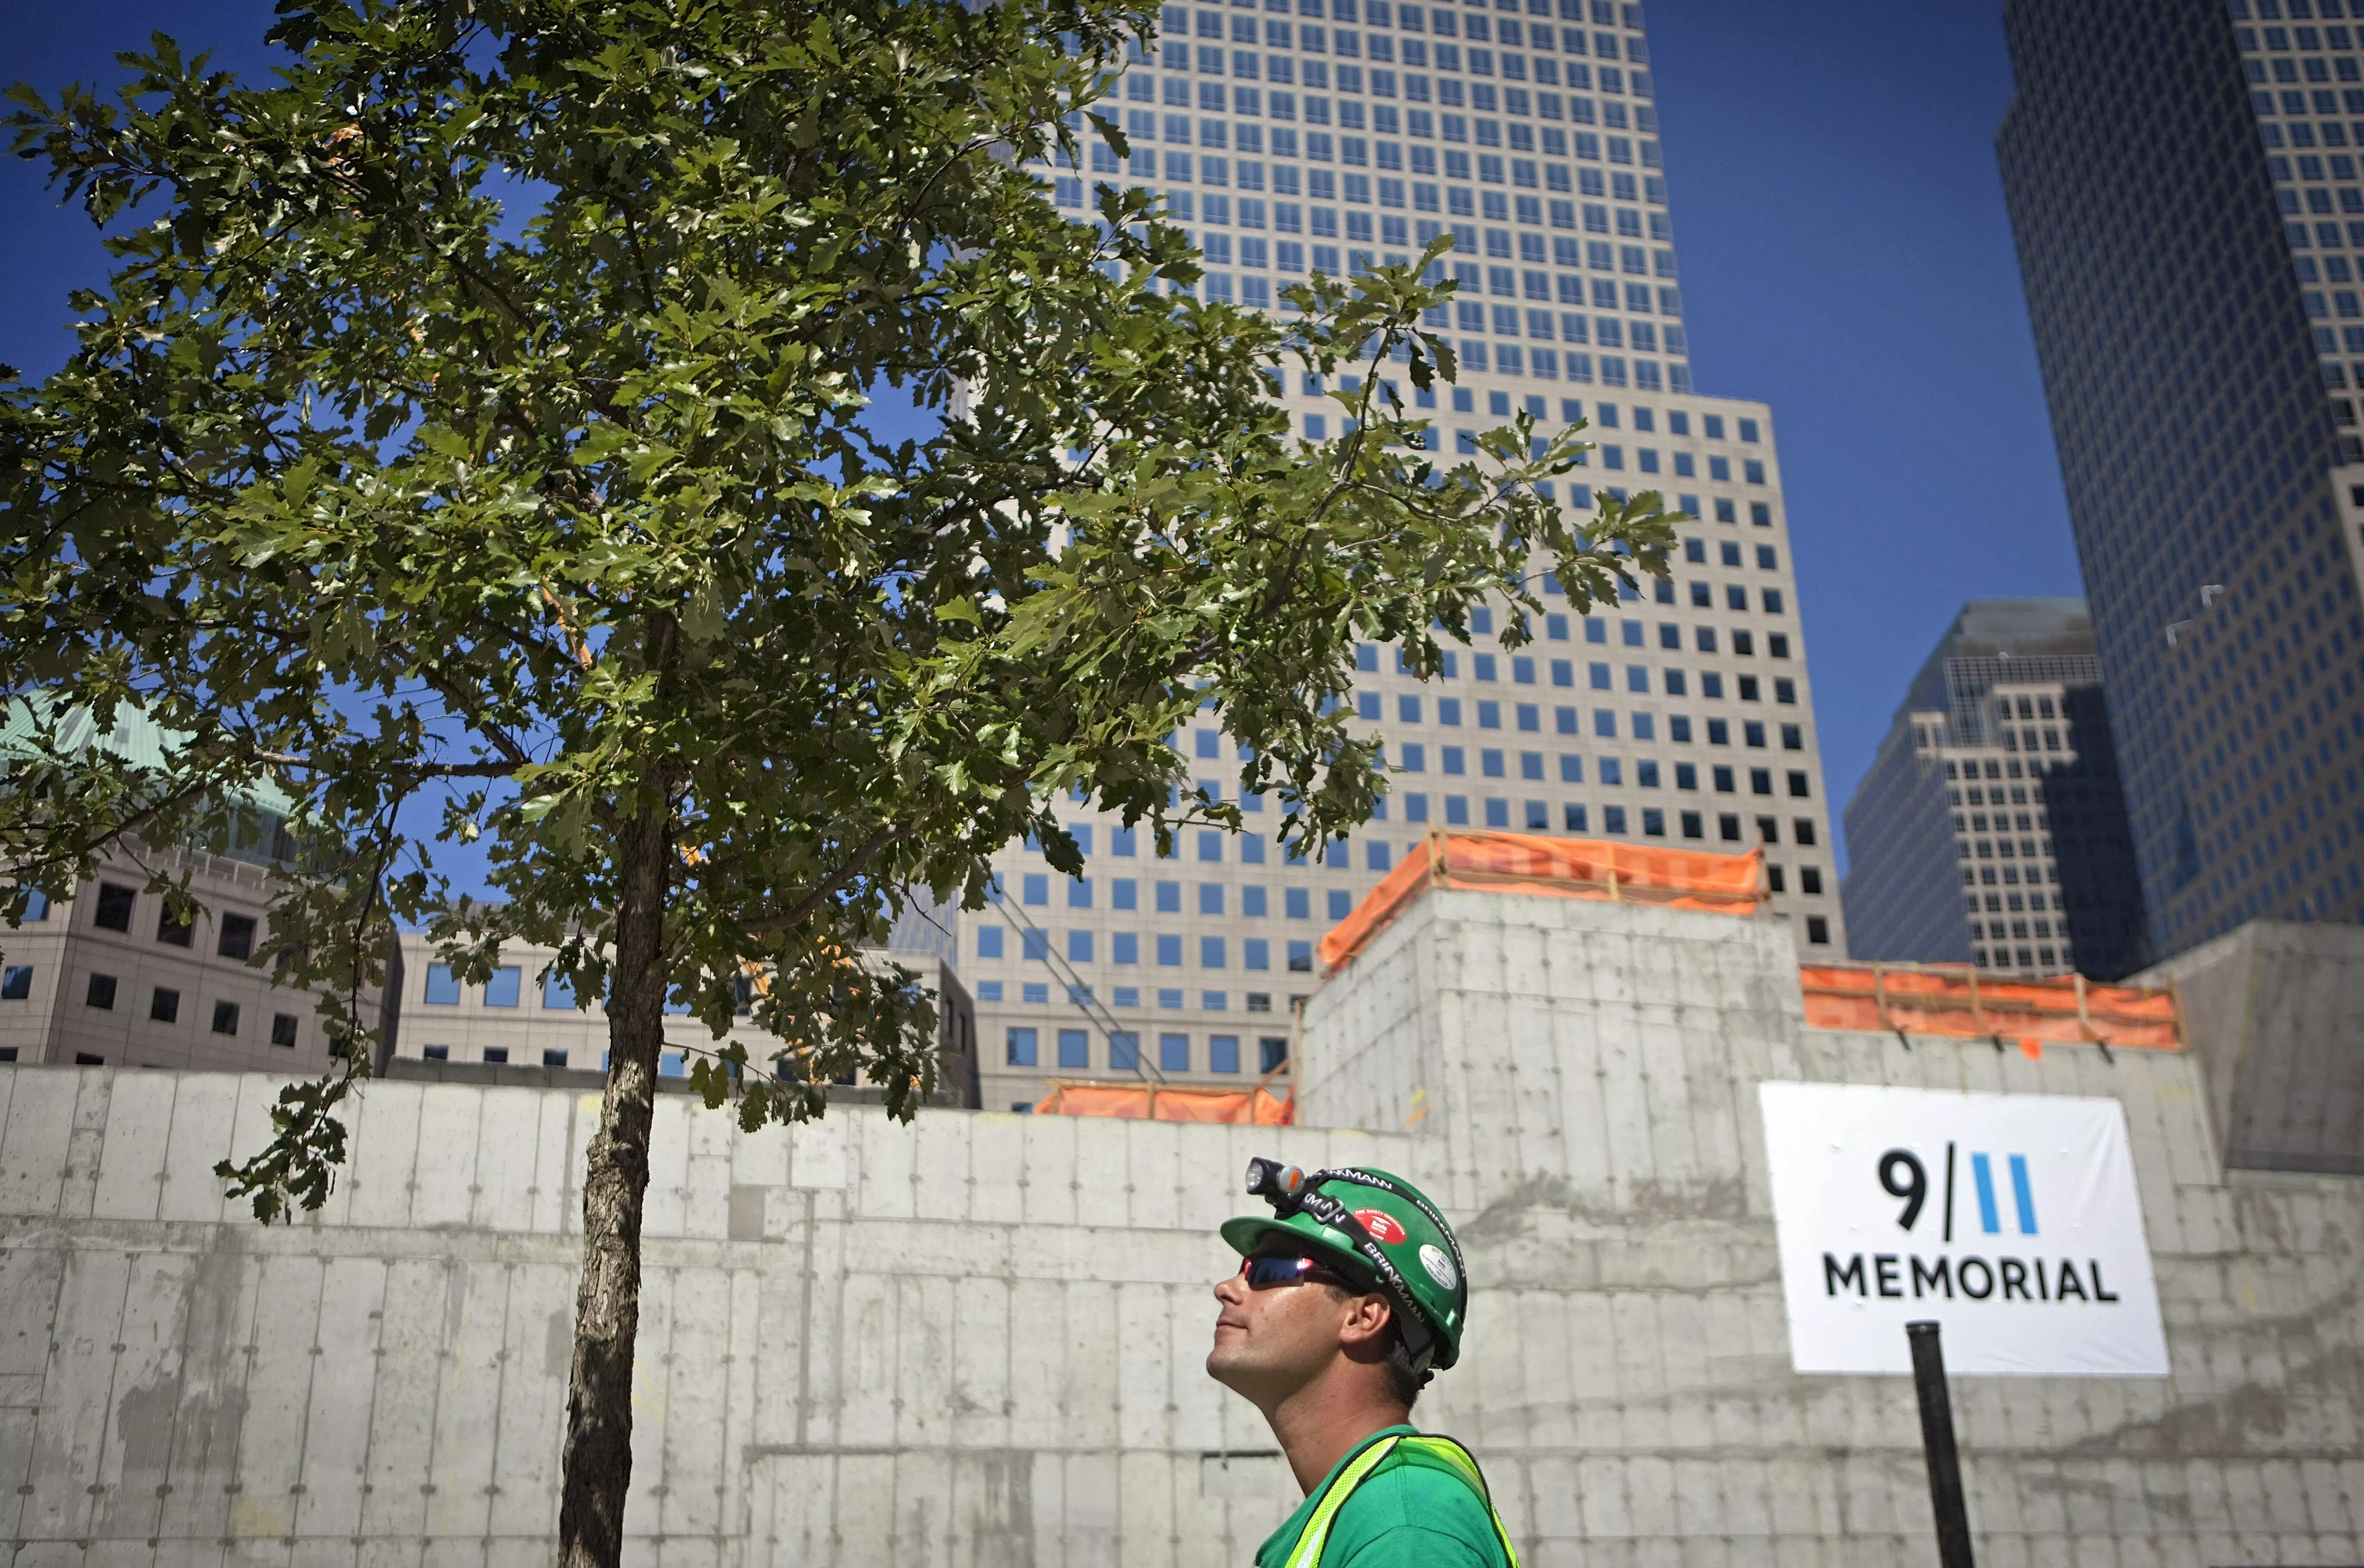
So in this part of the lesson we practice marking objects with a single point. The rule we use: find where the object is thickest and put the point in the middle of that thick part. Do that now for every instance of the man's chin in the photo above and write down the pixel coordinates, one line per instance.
(1225, 1359)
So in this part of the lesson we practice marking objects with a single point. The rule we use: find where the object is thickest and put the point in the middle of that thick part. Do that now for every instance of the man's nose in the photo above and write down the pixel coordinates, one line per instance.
(1227, 1290)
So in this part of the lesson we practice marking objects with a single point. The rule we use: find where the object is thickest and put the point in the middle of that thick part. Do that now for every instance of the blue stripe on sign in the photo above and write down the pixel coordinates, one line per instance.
(2025, 1194)
(1983, 1173)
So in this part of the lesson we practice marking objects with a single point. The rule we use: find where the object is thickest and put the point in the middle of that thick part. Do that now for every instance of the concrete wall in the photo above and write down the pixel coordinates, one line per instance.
(2276, 1011)
(978, 1340)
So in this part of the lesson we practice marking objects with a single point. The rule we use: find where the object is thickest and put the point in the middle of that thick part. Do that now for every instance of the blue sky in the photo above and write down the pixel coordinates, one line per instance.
(1845, 256)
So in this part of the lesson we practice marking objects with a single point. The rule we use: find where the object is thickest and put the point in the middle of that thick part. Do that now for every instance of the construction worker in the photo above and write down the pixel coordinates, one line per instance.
(1349, 1294)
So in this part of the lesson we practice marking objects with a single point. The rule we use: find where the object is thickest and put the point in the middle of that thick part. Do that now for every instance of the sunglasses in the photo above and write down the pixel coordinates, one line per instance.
(1264, 1272)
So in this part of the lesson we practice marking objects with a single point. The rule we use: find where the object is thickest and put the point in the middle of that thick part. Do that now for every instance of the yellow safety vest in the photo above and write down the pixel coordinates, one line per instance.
(1307, 1553)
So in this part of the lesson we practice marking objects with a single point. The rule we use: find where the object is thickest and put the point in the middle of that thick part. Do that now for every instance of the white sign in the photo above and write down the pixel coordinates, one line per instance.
(2012, 1220)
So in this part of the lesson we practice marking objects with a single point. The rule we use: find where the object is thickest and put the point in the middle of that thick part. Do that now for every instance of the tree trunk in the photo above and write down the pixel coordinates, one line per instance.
(599, 1462)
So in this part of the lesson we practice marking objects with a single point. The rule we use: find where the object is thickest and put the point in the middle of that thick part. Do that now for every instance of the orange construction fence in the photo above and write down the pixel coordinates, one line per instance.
(1554, 868)
(1139, 1102)
(1966, 1005)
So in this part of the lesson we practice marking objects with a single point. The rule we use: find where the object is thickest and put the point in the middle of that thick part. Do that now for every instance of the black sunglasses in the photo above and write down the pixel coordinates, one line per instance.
(1264, 1272)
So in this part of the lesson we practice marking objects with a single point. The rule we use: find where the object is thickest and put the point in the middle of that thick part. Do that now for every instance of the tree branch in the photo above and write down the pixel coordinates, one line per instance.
(804, 906)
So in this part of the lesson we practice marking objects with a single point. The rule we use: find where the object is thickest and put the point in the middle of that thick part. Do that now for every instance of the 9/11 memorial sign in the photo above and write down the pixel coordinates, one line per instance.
(2013, 1220)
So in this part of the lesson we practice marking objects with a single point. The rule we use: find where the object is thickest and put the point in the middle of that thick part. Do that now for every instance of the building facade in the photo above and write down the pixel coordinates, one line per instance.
(526, 1024)
(109, 977)
(1328, 137)
(2183, 188)
(1991, 828)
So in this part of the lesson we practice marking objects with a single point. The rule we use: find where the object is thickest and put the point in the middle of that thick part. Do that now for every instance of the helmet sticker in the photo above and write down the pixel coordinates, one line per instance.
(1383, 1225)
(1440, 1267)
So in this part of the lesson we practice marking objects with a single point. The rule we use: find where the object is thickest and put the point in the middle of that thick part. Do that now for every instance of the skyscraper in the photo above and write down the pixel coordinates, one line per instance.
(1990, 830)
(1291, 136)
(2183, 186)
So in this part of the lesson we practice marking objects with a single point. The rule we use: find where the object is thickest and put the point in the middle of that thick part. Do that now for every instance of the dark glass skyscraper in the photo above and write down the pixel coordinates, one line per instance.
(1990, 830)
(2182, 183)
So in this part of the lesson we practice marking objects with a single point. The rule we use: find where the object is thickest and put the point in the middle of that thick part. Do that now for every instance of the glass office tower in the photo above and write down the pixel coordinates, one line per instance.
(2184, 187)
(1291, 136)
(1990, 830)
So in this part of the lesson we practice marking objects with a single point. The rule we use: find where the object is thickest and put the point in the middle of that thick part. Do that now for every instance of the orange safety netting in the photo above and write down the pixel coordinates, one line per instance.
(1128, 1102)
(1964, 1004)
(1554, 868)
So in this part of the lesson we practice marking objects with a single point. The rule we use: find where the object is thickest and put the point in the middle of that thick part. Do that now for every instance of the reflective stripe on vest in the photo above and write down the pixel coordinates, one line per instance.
(1307, 1553)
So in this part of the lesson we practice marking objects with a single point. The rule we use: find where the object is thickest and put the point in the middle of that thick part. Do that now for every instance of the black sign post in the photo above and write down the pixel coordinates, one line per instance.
(1938, 1440)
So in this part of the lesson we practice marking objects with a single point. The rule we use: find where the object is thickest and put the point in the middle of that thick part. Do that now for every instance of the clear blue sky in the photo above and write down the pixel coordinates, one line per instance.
(1845, 259)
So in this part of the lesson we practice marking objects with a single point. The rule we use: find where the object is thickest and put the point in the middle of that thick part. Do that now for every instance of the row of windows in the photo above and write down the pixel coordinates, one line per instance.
(2309, 40)
(1378, 855)
(1176, 25)
(2005, 849)
(1175, 1053)
(1412, 757)
(1558, 628)
(1124, 893)
(1126, 997)
(2331, 133)
(1607, 332)
(1599, 677)
(1607, 416)
(1282, 101)
(2311, 168)
(1417, 54)
(2028, 958)
(1980, 931)
(2287, 71)
(2018, 903)
(670, 1064)
(2003, 822)
(102, 991)
(233, 934)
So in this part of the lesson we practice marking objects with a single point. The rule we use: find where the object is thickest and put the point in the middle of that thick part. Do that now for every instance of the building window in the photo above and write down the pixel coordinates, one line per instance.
(100, 993)
(1223, 1054)
(165, 1005)
(1020, 1048)
(114, 911)
(170, 929)
(498, 1056)
(226, 1017)
(501, 989)
(437, 1052)
(1272, 1053)
(237, 937)
(16, 982)
(1173, 1053)
(282, 1029)
(1818, 931)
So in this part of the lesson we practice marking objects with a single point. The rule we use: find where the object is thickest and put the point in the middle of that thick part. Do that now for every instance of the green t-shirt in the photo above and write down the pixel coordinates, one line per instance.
(1408, 1513)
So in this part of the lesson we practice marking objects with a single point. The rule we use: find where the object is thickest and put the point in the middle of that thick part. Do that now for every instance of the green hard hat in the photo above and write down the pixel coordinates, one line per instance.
(1405, 1244)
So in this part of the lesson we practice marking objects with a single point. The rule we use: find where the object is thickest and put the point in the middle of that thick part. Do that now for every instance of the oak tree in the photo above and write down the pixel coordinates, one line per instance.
(480, 414)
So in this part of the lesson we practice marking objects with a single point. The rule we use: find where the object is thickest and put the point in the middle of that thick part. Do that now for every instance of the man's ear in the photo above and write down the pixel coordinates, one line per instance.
(1368, 1320)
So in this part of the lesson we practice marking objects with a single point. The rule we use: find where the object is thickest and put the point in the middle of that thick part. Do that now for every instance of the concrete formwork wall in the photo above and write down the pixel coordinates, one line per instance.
(978, 1340)
(2275, 1010)
(974, 1339)
(1586, 1073)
